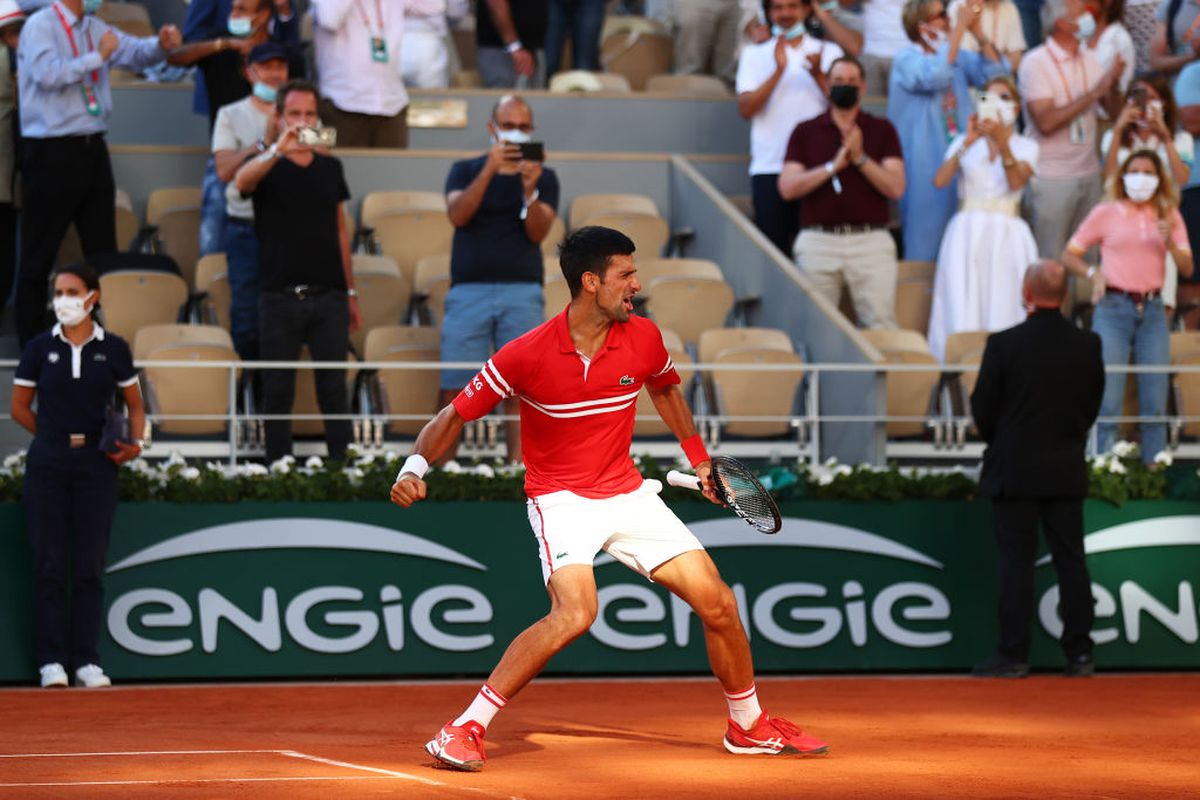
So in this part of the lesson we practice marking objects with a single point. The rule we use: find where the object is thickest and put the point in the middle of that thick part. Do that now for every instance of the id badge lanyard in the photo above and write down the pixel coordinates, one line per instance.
(90, 99)
(379, 51)
(1076, 129)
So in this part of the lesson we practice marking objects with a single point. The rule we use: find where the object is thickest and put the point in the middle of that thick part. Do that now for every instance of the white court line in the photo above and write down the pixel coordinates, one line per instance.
(426, 781)
(198, 780)
(134, 753)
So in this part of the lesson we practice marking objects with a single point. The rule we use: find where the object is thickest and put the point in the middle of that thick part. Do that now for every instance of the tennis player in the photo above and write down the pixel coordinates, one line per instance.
(578, 377)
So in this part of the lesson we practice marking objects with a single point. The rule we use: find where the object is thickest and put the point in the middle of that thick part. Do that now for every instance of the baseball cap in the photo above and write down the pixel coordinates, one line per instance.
(267, 51)
(10, 13)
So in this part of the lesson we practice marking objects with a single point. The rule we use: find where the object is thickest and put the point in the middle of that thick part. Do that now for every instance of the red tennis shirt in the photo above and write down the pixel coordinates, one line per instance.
(576, 414)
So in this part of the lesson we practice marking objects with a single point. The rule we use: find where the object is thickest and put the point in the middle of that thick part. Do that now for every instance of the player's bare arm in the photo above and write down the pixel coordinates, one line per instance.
(433, 440)
(674, 411)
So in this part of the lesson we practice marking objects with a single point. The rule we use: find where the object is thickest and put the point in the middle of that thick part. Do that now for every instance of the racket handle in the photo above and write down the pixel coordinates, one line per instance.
(683, 480)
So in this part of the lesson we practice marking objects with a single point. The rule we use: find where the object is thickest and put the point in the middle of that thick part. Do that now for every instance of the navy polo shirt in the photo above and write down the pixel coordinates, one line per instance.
(74, 384)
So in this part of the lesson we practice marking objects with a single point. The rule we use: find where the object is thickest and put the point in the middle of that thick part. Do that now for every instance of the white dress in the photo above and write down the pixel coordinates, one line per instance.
(985, 250)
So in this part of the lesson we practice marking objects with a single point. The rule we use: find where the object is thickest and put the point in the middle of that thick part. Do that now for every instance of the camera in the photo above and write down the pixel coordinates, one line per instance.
(318, 137)
(533, 151)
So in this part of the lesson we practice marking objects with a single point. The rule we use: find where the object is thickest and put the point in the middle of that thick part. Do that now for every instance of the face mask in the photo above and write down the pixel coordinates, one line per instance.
(240, 26)
(70, 310)
(1085, 25)
(92, 6)
(934, 37)
(791, 34)
(513, 137)
(1140, 186)
(1008, 113)
(832, 6)
(265, 93)
(843, 96)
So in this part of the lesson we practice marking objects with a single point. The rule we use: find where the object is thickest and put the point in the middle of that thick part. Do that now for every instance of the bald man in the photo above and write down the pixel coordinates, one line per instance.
(502, 205)
(1036, 398)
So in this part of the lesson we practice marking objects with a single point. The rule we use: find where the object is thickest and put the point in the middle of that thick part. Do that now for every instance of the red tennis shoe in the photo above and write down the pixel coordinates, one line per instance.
(772, 736)
(458, 747)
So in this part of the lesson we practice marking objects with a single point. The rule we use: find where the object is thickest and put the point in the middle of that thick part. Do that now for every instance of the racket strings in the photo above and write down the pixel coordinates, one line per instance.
(746, 495)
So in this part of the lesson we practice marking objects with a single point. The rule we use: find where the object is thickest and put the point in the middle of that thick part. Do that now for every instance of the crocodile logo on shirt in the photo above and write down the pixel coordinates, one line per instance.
(626, 380)
(52, 358)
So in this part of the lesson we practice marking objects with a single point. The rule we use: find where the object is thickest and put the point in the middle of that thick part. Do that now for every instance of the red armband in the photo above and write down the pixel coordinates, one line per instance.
(694, 449)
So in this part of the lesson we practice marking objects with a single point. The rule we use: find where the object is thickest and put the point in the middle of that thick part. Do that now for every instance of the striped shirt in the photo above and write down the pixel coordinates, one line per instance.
(577, 413)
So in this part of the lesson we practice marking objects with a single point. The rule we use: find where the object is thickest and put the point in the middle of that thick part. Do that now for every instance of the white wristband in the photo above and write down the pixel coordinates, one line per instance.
(1091, 272)
(416, 464)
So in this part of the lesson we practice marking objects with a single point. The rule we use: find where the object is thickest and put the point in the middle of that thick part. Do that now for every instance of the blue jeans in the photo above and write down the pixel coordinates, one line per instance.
(1031, 21)
(483, 317)
(241, 251)
(1122, 330)
(212, 211)
(582, 20)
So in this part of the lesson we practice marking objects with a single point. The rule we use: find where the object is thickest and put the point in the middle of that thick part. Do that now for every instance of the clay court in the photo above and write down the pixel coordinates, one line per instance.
(1129, 736)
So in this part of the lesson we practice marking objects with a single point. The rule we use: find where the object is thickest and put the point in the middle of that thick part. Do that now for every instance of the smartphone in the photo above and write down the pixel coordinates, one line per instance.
(533, 151)
(987, 106)
(318, 137)
(1139, 96)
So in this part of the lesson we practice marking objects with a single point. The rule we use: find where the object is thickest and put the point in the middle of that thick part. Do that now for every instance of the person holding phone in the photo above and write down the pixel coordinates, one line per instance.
(70, 492)
(502, 205)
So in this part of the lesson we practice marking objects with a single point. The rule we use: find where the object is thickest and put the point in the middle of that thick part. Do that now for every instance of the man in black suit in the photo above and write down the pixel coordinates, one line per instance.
(1037, 396)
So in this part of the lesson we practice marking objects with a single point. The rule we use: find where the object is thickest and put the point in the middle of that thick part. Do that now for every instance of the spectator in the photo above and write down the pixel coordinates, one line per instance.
(780, 83)
(507, 38)
(219, 34)
(1031, 20)
(1000, 22)
(1187, 95)
(424, 54)
(1036, 398)
(358, 71)
(848, 164)
(1176, 41)
(1062, 83)
(65, 101)
(883, 36)
(502, 207)
(1111, 39)
(1139, 20)
(706, 37)
(987, 245)
(581, 20)
(1135, 230)
(929, 103)
(307, 287)
(70, 492)
(11, 21)
(241, 132)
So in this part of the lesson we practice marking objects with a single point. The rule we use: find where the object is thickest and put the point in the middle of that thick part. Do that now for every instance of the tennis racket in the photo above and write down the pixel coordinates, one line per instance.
(740, 490)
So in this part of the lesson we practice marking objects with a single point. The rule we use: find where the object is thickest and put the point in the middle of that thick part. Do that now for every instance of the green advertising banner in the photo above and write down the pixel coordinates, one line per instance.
(343, 589)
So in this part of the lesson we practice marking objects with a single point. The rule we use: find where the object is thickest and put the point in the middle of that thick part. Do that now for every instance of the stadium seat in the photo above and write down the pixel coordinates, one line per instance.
(431, 284)
(406, 391)
(653, 424)
(689, 306)
(651, 268)
(764, 394)
(909, 394)
(585, 206)
(377, 204)
(305, 400)
(717, 340)
(689, 86)
(557, 293)
(558, 232)
(578, 80)
(152, 337)
(1185, 388)
(130, 18)
(383, 294)
(133, 299)
(212, 284)
(173, 220)
(128, 224)
(409, 234)
(966, 347)
(637, 48)
(175, 390)
(649, 233)
(914, 295)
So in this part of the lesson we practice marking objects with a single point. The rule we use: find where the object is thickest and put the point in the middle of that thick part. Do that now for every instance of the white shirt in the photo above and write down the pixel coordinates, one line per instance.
(1001, 24)
(796, 98)
(986, 179)
(347, 74)
(1114, 41)
(1184, 145)
(883, 32)
(239, 124)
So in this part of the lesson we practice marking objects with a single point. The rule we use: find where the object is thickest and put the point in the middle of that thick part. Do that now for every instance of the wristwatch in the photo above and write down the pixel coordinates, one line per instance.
(352, 292)
(862, 161)
(271, 153)
(260, 145)
(142, 444)
(514, 46)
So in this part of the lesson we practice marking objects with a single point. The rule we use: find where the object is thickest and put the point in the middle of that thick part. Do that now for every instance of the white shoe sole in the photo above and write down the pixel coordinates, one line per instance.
(439, 754)
(771, 751)
(57, 683)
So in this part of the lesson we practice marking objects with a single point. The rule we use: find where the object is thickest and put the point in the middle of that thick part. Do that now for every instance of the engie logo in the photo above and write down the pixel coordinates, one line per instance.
(851, 609)
(1128, 601)
(266, 624)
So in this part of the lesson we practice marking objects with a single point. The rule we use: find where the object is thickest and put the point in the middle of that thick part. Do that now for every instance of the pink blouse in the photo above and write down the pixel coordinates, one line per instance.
(1132, 254)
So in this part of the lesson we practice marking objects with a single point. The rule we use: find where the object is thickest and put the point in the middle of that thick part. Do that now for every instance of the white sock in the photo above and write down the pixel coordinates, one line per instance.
(743, 707)
(484, 707)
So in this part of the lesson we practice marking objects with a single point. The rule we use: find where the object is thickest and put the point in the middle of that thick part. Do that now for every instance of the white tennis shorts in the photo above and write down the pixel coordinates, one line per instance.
(636, 528)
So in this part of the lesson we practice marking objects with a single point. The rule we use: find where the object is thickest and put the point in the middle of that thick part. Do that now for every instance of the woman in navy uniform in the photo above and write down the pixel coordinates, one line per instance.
(74, 370)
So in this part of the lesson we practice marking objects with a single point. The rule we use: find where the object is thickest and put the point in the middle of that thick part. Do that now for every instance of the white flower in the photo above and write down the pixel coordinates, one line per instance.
(825, 479)
(831, 462)
(1123, 449)
(484, 470)
(354, 474)
(190, 473)
(314, 462)
(1116, 467)
(173, 460)
(843, 469)
(1099, 463)
(1164, 457)
(253, 470)
(366, 460)
(392, 455)
(14, 461)
(282, 466)
(452, 467)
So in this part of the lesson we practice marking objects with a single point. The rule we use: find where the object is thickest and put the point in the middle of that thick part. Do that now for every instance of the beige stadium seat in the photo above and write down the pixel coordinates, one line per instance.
(152, 337)
(636, 48)
(689, 86)
(305, 400)
(649, 233)
(212, 278)
(578, 80)
(431, 284)
(908, 393)
(409, 235)
(383, 294)
(585, 206)
(649, 269)
(1185, 351)
(174, 213)
(128, 224)
(653, 424)
(378, 204)
(176, 390)
(689, 306)
(558, 232)
(914, 295)
(557, 293)
(966, 347)
(129, 18)
(756, 394)
(714, 342)
(133, 299)
(407, 391)
(1184, 343)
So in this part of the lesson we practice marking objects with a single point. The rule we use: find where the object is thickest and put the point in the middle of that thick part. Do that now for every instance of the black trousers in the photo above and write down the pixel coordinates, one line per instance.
(1017, 535)
(285, 323)
(777, 218)
(8, 251)
(65, 180)
(70, 499)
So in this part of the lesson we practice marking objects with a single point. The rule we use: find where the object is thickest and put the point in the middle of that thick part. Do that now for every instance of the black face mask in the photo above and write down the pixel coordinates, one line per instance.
(843, 96)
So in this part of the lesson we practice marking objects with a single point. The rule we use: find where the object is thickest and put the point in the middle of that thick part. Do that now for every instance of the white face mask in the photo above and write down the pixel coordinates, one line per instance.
(513, 137)
(70, 311)
(1140, 186)
(935, 37)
